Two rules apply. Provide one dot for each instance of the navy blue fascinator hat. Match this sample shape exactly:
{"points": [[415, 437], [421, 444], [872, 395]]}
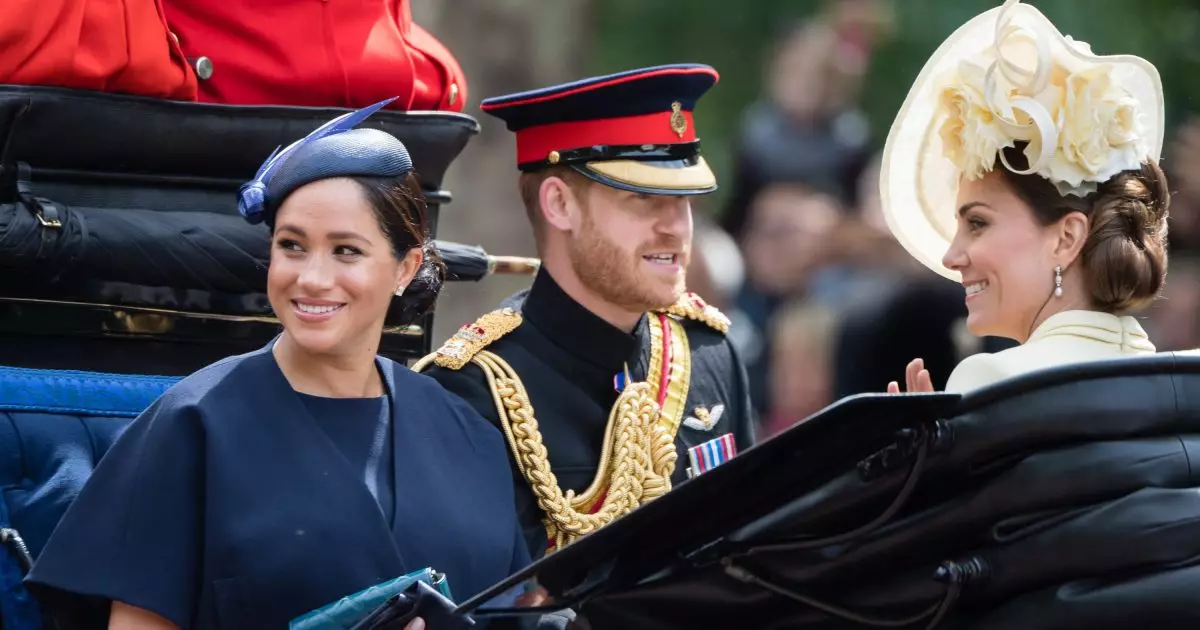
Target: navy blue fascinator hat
{"points": [[335, 149]]}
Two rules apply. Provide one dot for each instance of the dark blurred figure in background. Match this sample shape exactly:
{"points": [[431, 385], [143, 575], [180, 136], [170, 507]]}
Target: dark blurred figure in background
{"points": [[784, 242], [1183, 166], [801, 378], [809, 127], [1174, 321]]}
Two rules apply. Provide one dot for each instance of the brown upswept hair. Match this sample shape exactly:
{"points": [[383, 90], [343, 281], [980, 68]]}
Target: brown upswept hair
{"points": [[399, 206], [1124, 258]]}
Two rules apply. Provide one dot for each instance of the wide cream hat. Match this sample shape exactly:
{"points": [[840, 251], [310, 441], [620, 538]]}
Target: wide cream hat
{"points": [[1009, 75]]}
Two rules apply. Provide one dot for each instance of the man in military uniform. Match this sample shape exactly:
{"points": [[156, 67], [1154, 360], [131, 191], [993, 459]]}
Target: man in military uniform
{"points": [[610, 382]]}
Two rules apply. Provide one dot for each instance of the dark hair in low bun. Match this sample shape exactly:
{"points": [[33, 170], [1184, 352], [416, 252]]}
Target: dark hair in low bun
{"points": [[399, 206], [1124, 259]]}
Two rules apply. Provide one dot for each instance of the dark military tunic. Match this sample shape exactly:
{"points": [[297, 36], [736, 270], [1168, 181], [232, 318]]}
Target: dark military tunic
{"points": [[567, 358]]}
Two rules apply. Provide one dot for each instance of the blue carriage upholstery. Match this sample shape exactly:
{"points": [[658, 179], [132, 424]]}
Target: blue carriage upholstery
{"points": [[55, 425]]}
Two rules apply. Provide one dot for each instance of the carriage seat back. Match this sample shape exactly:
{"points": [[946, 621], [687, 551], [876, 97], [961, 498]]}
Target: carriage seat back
{"points": [[55, 425]]}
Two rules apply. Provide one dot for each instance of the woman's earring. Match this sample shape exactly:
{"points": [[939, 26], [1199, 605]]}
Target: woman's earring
{"points": [[1058, 281], [399, 290]]}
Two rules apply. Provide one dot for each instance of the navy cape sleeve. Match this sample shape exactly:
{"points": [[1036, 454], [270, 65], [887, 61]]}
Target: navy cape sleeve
{"points": [[521, 558], [134, 534]]}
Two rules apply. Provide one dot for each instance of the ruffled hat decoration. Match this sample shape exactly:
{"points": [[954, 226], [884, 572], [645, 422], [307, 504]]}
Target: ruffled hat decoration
{"points": [[1010, 76]]}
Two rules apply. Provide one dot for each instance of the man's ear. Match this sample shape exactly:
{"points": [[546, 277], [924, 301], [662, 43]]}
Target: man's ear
{"points": [[559, 206], [1072, 234]]}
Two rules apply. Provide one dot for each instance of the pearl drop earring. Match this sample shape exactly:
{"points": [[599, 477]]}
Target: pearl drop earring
{"points": [[1058, 281]]}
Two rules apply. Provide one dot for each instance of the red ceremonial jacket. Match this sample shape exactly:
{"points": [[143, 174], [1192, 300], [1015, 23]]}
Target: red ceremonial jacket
{"points": [[340, 53], [99, 45], [324, 53]]}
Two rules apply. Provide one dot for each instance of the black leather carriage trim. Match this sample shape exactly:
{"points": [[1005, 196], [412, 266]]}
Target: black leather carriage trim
{"points": [[133, 134], [1147, 365]]}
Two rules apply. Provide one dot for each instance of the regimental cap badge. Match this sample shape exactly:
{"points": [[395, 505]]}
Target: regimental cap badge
{"points": [[678, 121]]}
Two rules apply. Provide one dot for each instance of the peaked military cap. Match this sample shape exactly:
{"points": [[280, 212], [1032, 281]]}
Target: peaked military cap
{"points": [[633, 130]]}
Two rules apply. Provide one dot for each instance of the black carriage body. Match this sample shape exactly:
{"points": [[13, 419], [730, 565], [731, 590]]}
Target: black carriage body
{"points": [[1061, 499]]}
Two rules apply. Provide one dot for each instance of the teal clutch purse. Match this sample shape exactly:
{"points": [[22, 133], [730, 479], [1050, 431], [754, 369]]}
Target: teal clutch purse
{"points": [[348, 611]]}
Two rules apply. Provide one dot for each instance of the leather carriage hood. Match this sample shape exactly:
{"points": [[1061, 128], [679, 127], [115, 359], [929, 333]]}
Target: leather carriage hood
{"points": [[1071, 488], [1125, 398]]}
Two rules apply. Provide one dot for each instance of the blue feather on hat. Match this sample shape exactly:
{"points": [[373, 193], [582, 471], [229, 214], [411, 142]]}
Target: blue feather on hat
{"points": [[254, 200]]}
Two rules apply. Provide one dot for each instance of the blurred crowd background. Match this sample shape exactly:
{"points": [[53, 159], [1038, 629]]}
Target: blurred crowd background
{"points": [[793, 247]]}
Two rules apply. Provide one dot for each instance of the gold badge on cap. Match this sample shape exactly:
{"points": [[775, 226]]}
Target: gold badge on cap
{"points": [[678, 122]]}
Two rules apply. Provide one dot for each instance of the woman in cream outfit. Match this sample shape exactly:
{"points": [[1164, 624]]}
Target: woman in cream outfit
{"points": [[1026, 168]]}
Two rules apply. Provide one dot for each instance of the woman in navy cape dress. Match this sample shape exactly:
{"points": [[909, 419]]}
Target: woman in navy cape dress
{"points": [[270, 484]]}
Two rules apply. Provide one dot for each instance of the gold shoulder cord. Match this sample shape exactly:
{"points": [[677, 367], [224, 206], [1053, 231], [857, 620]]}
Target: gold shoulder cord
{"points": [[638, 456]]}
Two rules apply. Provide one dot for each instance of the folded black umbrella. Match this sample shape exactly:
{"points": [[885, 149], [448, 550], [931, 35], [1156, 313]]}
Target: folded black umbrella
{"points": [[471, 262], [185, 250], [201, 251]]}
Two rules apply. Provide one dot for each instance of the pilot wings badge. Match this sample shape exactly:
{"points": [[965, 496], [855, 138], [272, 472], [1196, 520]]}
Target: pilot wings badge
{"points": [[704, 420]]}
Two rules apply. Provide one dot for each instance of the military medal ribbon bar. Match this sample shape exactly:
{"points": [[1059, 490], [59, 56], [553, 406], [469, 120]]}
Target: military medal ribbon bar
{"points": [[704, 457]]}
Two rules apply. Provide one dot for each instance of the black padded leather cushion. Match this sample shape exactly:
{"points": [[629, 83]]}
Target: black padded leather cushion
{"points": [[55, 128]]}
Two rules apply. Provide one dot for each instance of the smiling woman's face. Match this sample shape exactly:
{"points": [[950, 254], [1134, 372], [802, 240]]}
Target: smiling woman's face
{"points": [[1005, 257], [332, 272]]}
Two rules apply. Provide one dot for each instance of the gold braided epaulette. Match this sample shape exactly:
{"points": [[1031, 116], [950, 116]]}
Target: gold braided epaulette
{"points": [[692, 306], [470, 339]]}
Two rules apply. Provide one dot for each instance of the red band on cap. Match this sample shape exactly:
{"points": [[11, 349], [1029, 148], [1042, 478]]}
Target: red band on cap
{"points": [[535, 143]]}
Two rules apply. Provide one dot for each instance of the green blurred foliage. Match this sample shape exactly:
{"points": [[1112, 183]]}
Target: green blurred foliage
{"points": [[737, 38]]}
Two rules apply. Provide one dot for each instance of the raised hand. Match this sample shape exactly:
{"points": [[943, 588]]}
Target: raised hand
{"points": [[916, 378]]}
